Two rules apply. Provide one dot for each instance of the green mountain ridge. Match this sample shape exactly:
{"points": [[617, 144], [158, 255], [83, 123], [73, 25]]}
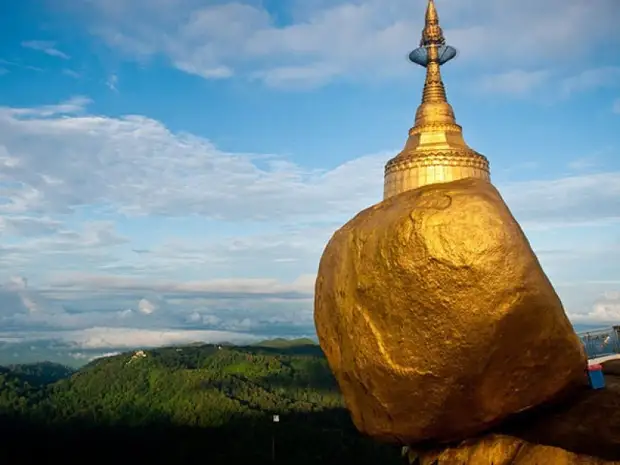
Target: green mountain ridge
{"points": [[41, 373], [187, 404]]}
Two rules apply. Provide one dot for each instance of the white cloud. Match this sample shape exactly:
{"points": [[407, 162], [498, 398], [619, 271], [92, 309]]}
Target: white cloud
{"points": [[72, 106], [146, 306], [216, 72], [302, 286], [71, 73], [570, 200], [583, 163], [17, 283], [298, 77], [45, 239], [607, 76], [328, 40], [616, 107], [89, 357], [17, 64], [515, 82], [47, 47], [524, 83], [16, 298], [122, 163], [605, 311], [103, 338], [112, 82], [27, 226]]}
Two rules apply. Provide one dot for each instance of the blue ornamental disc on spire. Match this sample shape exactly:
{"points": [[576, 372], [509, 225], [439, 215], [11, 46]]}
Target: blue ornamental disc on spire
{"points": [[420, 55]]}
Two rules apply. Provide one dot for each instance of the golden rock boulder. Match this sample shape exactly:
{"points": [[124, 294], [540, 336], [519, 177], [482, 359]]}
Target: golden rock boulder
{"points": [[437, 318]]}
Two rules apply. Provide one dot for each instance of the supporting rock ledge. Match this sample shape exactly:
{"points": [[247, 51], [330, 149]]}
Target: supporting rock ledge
{"points": [[581, 430]]}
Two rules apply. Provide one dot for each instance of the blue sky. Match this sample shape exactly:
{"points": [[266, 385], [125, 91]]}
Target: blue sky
{"points": [[170, 170]]}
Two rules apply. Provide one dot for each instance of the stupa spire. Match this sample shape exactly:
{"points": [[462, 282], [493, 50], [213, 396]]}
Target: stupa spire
{"points": [[432, 40], [435, 151]]}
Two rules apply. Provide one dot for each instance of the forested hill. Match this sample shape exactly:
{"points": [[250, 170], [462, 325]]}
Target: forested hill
{"points": [[38, 374], [197, 404]]}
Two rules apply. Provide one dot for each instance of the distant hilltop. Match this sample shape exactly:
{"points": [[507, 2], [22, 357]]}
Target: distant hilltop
{"points": [[75, 357], [283, 343], [278, 342]]}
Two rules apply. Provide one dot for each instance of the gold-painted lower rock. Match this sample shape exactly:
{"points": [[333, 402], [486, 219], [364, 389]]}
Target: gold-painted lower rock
{"points": [[436, 317], [503, 450]]}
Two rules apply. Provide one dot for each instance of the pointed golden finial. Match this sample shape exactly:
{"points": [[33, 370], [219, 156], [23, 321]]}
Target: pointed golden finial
{"points": [[435, 151], [432, 33]]}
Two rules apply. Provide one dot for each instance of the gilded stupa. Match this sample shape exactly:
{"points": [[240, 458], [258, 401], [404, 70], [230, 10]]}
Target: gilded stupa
{"points": [[431, 307], [435, 150]]}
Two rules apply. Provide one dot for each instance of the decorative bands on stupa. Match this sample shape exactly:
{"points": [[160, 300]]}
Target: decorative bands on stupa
{"points": [[468, 159], [407, 173]]}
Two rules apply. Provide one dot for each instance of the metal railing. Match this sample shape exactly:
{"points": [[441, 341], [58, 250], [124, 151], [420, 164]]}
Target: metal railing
{"points": [[601, 342]]}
